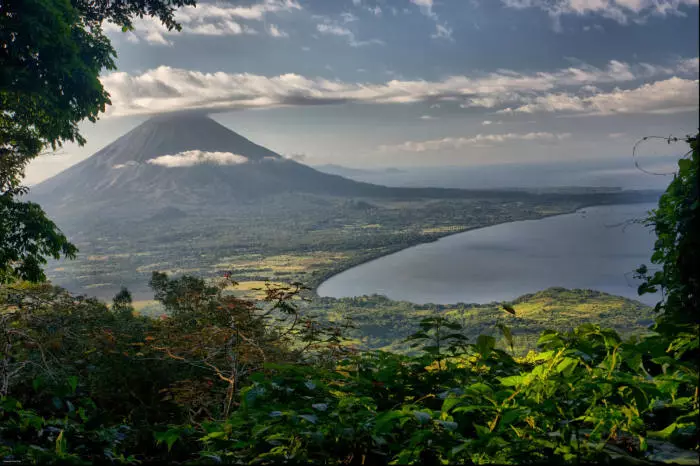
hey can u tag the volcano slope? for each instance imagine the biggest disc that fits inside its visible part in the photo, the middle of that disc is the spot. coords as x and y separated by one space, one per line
183 194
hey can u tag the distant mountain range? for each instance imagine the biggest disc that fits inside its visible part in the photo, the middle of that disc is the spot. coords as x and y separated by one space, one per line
175 164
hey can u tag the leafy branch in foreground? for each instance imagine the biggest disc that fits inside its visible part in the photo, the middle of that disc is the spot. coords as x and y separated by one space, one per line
676 222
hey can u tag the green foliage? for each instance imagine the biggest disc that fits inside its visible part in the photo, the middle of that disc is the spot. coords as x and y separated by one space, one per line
224 378
27 237
381 323
584 397
122 303
676 222
51 56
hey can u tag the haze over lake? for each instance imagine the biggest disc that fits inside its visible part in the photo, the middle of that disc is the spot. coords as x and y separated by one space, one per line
595 248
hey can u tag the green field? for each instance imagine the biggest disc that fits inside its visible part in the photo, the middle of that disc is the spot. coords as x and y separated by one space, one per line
382 323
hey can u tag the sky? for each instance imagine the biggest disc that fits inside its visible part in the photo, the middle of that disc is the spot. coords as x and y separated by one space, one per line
416 83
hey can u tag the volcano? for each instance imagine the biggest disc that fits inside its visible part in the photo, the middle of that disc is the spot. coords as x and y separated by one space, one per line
185 159
191 162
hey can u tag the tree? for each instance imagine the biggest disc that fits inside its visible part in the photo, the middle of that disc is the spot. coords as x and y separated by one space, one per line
122 304
51 55
27 237
676 222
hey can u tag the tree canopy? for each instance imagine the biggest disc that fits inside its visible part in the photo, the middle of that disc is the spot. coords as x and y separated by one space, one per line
51 55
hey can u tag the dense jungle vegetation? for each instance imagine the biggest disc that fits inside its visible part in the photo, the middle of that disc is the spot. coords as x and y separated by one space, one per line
225 379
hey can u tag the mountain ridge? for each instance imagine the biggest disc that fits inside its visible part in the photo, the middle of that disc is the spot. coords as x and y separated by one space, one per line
191 162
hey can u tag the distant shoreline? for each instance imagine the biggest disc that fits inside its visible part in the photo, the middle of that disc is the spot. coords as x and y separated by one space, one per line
315 280
364 260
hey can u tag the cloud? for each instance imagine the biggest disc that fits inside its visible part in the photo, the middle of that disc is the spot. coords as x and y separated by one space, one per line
208 19
274 31
295 157
197 157
672 95
480 140
486 122
130 163
166 89
333 29
348 17
442 32
426 7
622 11
428 117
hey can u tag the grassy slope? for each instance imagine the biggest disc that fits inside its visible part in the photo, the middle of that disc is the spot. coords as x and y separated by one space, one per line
382 323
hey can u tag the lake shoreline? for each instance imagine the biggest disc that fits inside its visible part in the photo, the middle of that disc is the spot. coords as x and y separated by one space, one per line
373 257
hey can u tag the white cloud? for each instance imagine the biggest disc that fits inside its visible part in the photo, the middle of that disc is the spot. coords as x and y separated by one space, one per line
130 163
196 157
348 17
480 140
334 29
486 122
426 7
428 117
669 96
442 32
622 11
208 19
170 89
274 31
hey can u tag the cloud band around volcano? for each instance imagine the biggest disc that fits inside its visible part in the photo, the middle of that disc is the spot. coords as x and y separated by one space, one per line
197 157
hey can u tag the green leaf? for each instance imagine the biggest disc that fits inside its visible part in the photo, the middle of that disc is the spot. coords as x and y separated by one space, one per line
73 383
386 421
309 417
508 417
485 343
61 444
507 334
450 403
513 380
169 437
566 366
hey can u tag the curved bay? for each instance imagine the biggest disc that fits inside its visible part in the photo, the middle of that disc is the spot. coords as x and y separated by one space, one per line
595 248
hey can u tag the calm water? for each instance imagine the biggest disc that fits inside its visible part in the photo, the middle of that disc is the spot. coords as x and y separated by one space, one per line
589 249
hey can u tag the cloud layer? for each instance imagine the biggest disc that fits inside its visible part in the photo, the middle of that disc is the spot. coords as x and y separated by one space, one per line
622 11
573 89
197 157
669 96
480 140
210 19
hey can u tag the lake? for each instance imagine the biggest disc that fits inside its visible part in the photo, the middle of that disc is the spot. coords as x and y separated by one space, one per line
594 248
